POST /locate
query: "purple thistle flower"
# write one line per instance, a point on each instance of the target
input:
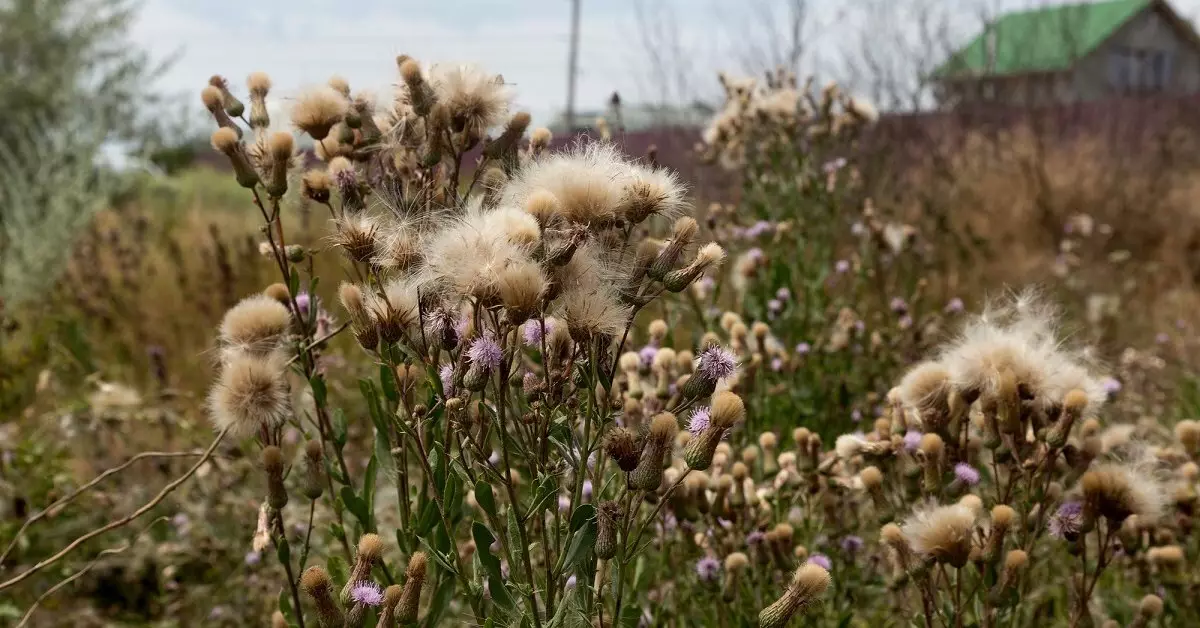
(1067, 520)
(303, 300)
(699, 421)
(252, 558)
(822, 561)
(587, 489)
(955, 305)
(1162, 338)
(842, 266)
(966, 474)
(856, 415)
(367, 593)
(1111, 385)
(533, 332)
(912, 440)
(783, 294)
(708, 568)
(905, 322)
(446, 373)
(571, 582)
(851, 544)
(530, 381)
(564, 503)
(486, 353)
(755, 254)
(803, 348)
(774, 305)
(898, 305)
(858, 229)
(647, 354)
(755, 538)
(716, 363)
(777, 364)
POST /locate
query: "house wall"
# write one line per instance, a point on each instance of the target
(1149, 31)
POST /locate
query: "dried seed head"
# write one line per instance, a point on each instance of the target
(542, 205)
(621, 445)
(1003, 516)
(225, 140)
(1188, 433)
(657, 329)
(281, 145)
(370, 547)
(1116, 491)
(1150, 607)
(340, 85)
(926, 389)
(316, 583)
(521, 286)
(316, 184)
(256, 324)
(408, 606)
(941, 533)
(663, 427)
(932, 445)
(1016, 560)
(1166, 556)
(259, 83)
(250, 396)
(317, 110)
(808, 584)
(767, 440)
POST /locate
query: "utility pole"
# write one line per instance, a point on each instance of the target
(572, 66)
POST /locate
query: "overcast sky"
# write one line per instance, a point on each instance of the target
(304, 42)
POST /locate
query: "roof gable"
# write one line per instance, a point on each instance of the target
(1049, 39)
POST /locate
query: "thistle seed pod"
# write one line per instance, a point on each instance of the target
(370, 548)
(314, 469)
(608, 518)
(316, 583)
(410, 597)
(272, 461)
(647, 476)
(233, 106)
(1073, 406)
(226, 141)
(808, 584)
(685, 230)
(387, 613)
(621, 445)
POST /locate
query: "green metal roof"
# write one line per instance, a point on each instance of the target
(1040, 40)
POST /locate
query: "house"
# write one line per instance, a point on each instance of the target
(1075, 54)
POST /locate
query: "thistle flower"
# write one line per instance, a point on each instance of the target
(281, 148)
(259, 84)
(367, 593)
(966, 474)
(726, 410)
(699, 421)
(714, 364)
(708, 569)
(1002, 519)
(213, 100)
(648, 474)
(586, 184)
(941, 533)
(709, 256)
(387, 614)
(316, 583)
(486, 352)
(370, 548)
(683, 232)
(808, 584)
(651, 191)
(250, 396)
(1067, 521)
(821, 561)
(317, 110)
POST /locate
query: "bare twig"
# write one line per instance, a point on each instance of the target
(113, 525)
(64, 500)
(75, 576)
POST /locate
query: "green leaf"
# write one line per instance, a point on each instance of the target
(427, 519)
(485, 498)
(319, 391)
(369, 491)
(284, 552)
(294, 281)
(582, 515)
(484, 538)
(439, 602)
(388, 382)
(339, 429)
(453, 498)
(630, 616)
(582, 543)
(514, 541)
(357, 506)
(338, 571)
(547, 488)
(285, 606)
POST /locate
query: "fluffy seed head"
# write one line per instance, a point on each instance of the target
(317, 110)
(521, 286)
(621, 445)
(651, 191)
(1003, 516)
(926, 388)
(314, 579)
(586, 184)
(1151, 606)
(736, 561)
(542, 205)
(1188, 433)
(250, 395)
(211, 97)
(476, 101)
(281, 145)
(941, 533)
(932, 445)
(1015, 560)
(1117, 490)
(370, 547)
(767, 440)
(256, 324)
(416, 565)
(591, 312)
(259, 83)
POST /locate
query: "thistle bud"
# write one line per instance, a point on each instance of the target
(410, 597)
(647, 476)
(539, 140)
(608, 518)
(280, 145)
(272, 461)
(710, 255)
(420, 94)
(259, 84)
(314, 469)
(387, 612)
(685, 230)
(214, 102)
(767, 442)
(932, 450)
(735, 564)
(226, 141)
(315, 582)
(1149, 608)
(508, 139)
(727, 409)
(1002, 520)
(1073, 406)
(1014, 565)
(808, 584)
(233, 106)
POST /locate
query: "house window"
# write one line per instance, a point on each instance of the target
(1159, 75)
(1141, 70)
(1120, 69)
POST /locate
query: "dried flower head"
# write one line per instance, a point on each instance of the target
(475, 100)
(317, 110)
(808, 584)
(250, 396)
(941, 533)
(1117, 490)
(255, 325)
